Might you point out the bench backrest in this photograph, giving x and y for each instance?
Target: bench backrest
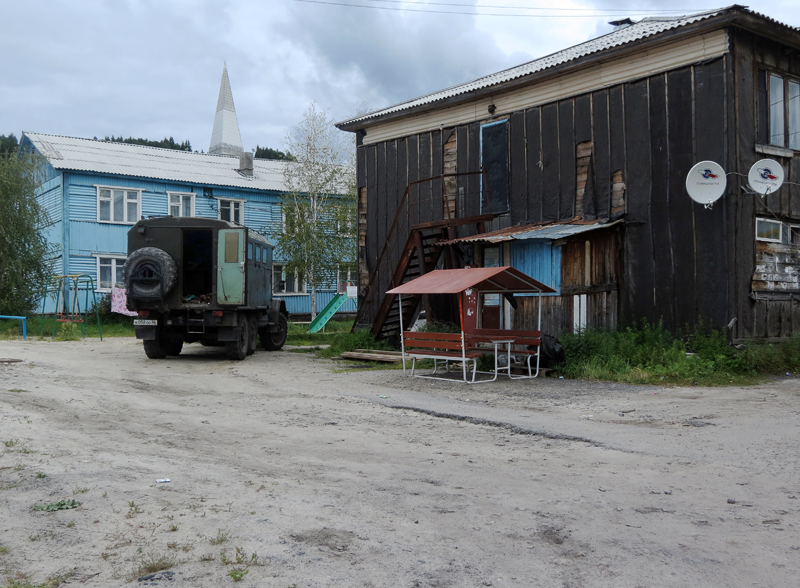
(520, 337)
(447, 341)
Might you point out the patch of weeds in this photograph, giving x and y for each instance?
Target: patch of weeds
(172, 528)
(70, 524)
(105, 494)
(238, 575)
(221, 537)
(18, 467)
(133, 510)
(106, 554)
(41, 475)
(207, 557)
(4, 550)
(154, 562)
(349, 341)
(36, 537)
(11, 485)
(79, 490)
(64, 504)
(11, 442)
(18, 390)
(68, 332)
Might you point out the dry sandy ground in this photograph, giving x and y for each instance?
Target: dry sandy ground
(318, 478)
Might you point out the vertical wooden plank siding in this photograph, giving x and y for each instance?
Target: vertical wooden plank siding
(566, 142)
(462, 165)
(551, 188)
(640, 286)
(534, 160)
(422, 201)
(712, 240)
(660, 192)
(601, 156)
(518, 199)
(474, 164)
(391, 198)
(437, 169)
(679, 100)
(401, 231)
(744, 229)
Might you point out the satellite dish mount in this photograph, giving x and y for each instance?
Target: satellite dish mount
(706, 183)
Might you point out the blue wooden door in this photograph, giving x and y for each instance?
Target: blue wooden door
(230, 266)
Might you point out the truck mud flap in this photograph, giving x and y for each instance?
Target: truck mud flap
(227, 333)
(146, 333)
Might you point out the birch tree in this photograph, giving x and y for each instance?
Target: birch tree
(319, 209)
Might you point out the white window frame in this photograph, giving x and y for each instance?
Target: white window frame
(180, 196)
(771, 221)
(795, 229)
(239, 202)
(110, 199)
(300, 289)
(116, 261)
(349, 274)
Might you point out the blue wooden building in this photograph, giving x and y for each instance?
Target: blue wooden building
(94, 191)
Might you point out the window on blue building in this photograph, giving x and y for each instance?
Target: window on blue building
(118, 205)
(181, 204)
(109, 272)
(232, 211)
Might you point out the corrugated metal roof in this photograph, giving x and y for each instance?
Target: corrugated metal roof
(640, 30)
(545, 231)
(91, 155)
(484, 279)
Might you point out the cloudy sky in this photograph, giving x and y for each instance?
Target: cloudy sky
(152, 68)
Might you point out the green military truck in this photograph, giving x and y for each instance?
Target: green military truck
(202, 280)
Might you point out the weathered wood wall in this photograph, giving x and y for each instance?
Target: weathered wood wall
(762, 312)
(624, 151)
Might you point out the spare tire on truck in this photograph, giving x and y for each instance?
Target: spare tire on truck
(149, 272)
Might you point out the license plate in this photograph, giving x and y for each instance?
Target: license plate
(145, 323)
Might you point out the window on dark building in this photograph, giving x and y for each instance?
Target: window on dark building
(494, 163)
(778, 110)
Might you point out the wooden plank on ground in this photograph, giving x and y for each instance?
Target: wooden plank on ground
(373, 355)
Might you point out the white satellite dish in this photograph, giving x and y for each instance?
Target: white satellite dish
(765, 176)
(706, 182)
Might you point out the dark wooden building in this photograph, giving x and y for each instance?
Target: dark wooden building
(591, 146)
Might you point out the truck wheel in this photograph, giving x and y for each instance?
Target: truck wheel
(147, 264)
(274, 340)
(154, 349)
(173, 347)
(238, 349)
(252, 340)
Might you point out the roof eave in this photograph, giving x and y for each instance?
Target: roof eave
(734, 16)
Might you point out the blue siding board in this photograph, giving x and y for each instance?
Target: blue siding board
(301, 304)
(87, 238)
(541, 260)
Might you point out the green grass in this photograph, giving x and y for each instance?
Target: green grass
(299, 335)
(113, 326)
(649, 354)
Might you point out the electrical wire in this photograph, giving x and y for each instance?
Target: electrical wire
(594, 14)
(593, 10)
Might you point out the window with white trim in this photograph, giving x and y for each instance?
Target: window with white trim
(284, 282)
(768, 230)
(794, 234)
(778, 110)
(231, 210)
(118, 205)
(181, 204)
(109, 272)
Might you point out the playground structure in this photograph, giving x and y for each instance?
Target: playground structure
(344, 291)
(66, 290)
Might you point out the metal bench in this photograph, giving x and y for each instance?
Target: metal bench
(448, 347)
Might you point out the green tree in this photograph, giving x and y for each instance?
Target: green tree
(267, 153)
(165, 143)
(8, 144)
(319, 211)
(24, 268)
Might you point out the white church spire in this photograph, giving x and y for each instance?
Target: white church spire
(225, 138)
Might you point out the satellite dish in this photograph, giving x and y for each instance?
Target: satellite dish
(706, 182)
(765, 176)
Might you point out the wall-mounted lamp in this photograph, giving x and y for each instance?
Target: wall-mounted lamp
(492, 108)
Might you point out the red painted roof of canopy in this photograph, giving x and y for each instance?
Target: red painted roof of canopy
(484, 279)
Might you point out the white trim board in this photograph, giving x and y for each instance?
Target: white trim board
(600, 75)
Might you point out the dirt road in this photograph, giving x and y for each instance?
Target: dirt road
(284, 473)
